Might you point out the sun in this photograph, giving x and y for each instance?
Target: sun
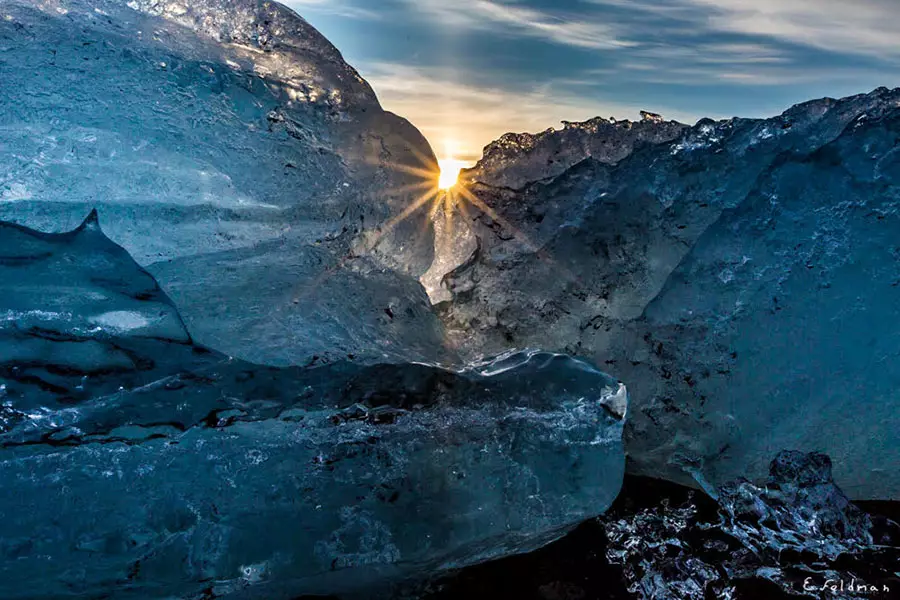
(450, 169)
(438, 191)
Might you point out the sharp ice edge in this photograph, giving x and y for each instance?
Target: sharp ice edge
(517, 159)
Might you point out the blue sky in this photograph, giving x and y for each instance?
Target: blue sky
(467, 71)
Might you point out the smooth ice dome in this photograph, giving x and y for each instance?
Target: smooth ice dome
(227, 133)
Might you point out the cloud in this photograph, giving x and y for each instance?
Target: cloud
(339, 8)
(459, 118)
(574, 59)
(866, 27)
(863, 27)
(757, 64)
(566, 28)
(700, 42)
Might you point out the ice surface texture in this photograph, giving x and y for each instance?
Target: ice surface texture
(137, 463)
(517, 159)
(663, 541)
(219, 131)
(279, 497)
(72, 306)
(799, 527)
(742, 279)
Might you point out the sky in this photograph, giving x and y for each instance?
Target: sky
(467, 71)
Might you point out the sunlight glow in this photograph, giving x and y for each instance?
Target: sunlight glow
(435, 185)
(436, 193)
(450, 169)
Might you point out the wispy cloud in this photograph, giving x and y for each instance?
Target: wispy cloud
(339, 8)
(867, 27)
(729, 63)
(525, 65)
(452, 114)
(859, 26)
(567, 28)
(683, 42)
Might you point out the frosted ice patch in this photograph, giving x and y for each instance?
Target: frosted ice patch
(617, 402)
(12, 316)
(122, 321)
(15, 191)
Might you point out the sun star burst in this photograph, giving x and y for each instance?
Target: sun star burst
(439, 186)
(449, 169)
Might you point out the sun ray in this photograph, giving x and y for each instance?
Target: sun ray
(425, 160)
(449, 204)
(428, 169)
(464, 209)
(417, 171)
(412, 187)
(434, 210)
(435, 183)
(422, 200)
(409, 210)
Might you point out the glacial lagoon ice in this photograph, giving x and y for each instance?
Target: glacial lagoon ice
(227, 132)
(138, 462)
(742, 279)
(156, 439)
